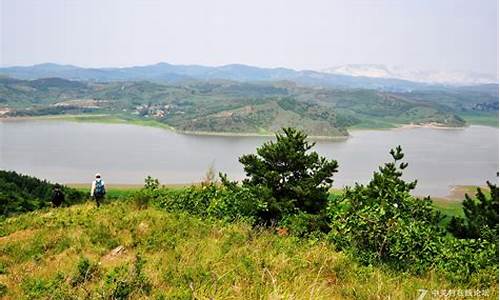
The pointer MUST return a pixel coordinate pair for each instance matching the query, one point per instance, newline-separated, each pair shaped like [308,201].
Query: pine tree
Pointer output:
[289,176]
[481,216]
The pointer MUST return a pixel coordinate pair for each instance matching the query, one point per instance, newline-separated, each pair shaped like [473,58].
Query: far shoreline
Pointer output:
[111,119]
[116,119]
[431,125]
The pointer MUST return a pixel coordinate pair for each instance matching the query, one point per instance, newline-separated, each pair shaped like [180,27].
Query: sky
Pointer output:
[445,35]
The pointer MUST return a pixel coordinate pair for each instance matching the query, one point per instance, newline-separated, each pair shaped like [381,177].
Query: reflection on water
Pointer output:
[74,152]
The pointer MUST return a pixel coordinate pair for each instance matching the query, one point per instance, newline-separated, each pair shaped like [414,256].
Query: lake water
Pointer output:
[73,152]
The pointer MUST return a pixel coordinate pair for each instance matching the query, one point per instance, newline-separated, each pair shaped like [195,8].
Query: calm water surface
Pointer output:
[73,152]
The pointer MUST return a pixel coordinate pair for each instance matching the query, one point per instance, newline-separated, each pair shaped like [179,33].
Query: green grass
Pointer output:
[451,206]
[487,119]
[111,192]
[117,191]
[108,119]
[374,125]
[67,253]
[448,208]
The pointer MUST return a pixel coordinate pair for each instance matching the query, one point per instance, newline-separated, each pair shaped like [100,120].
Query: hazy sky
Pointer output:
[312,34]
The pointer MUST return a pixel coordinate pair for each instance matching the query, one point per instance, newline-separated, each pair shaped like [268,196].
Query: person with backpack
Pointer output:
[57,196]
[98,190]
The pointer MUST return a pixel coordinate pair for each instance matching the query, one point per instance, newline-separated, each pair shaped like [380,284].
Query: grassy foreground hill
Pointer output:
[120,251]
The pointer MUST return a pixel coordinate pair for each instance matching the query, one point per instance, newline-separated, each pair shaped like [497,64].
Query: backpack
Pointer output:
[99,190]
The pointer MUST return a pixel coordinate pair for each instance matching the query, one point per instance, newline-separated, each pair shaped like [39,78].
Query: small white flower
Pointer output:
[395,205]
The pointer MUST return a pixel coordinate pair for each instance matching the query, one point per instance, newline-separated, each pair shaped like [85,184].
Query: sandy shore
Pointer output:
[235,134]
[457,192]
[426,125]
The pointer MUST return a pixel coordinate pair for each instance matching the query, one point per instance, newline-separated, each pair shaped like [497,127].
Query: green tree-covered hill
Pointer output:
[247,107]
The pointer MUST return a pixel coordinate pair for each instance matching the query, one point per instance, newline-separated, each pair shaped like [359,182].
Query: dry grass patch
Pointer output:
[72,252]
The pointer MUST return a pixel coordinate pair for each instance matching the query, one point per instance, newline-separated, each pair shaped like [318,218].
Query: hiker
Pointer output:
[98,190]
[57,196]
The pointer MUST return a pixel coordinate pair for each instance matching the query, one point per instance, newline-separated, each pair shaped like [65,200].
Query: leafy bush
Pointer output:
[117,284]
[304,224]
[288,176]
[481,216]
[143,197]
[463,260]
[39,288]
[3,289]
[85,271]
[121,281]
[227,202]
[139,279]
[383,222]
[101,234]
[3,268]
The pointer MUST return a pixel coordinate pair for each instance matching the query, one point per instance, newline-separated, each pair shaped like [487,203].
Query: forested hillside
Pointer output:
[22,193]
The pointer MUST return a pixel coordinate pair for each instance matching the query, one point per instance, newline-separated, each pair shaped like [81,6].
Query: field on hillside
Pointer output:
[487,119]
[119,250]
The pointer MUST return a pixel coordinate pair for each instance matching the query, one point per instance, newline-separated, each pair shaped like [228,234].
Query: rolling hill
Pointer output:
[225,106]
[245,107]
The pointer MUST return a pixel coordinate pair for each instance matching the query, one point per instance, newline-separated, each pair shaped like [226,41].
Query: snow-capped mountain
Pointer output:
[427,76]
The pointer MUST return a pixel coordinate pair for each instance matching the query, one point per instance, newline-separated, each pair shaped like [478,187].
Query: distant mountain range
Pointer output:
[353,76]
[425,76]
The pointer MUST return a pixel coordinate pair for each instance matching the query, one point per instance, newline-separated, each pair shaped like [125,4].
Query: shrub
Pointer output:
[303,224]
[3,289]
[85,270]
[38,288]
[101,234]
[3,268]
[139,279]
[143,197]
[117,285]
[384,222]
[122,281]
[227,202]
[462,259]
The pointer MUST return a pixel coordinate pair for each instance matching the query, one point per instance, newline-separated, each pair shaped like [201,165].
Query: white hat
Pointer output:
[97,175]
